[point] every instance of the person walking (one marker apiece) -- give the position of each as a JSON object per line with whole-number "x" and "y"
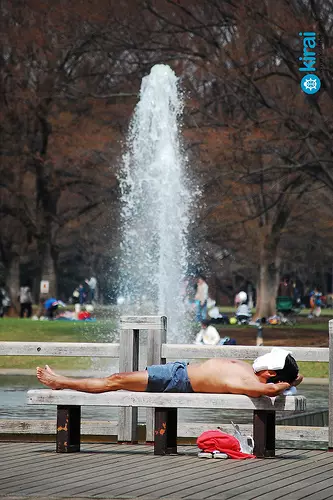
{"x": 25, "y": 301}
{"x": 201, "y": 298}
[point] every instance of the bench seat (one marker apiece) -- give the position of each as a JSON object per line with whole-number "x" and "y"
{"x": 69, "y": 404}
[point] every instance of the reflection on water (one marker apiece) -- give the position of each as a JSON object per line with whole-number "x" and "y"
{"x": 13, "y": 394}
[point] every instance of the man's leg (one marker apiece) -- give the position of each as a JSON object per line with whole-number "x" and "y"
{"x": 131, "y": 381}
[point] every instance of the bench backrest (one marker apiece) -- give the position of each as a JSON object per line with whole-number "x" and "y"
{"x": 184, "y": 351}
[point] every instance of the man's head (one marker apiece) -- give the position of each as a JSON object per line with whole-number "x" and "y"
{"x": 288, "y": 373}
{"x": 276, "y": 366}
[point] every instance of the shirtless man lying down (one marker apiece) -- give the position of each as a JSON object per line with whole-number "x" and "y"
{"x": 269, "y": 375}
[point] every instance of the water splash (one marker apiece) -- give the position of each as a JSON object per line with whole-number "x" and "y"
{"x": 156, "y": 201}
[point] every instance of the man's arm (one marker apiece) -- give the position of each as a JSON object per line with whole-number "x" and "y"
{"x": 255, "y": 389}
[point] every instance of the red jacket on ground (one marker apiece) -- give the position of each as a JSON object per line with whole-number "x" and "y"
{"x": 211, "y": 441}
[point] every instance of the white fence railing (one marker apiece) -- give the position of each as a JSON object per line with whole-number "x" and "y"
{"x": 184, "y": 351}
{"x": 73, "y": 349}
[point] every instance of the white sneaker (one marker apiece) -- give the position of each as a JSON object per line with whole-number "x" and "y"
{"x": 215, "y": 454}
{"x": 205, "y": 454}
{"x": 219, "y": 454}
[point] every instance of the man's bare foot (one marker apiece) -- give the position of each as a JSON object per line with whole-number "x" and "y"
{"x": 47, "y": 377}
{"x": 48, "y": 369}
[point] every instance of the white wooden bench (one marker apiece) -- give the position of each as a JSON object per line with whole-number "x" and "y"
{"x": 165, "y": 407}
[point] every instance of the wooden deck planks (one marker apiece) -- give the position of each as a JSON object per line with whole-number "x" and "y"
{"x": 76, "y": 465}
{"x": 246, "y": 481}
{"x": 36, "y": 457}
{"x": 201, "y": 472}
{"x": 33, "y": 459}
{"x": 80, "y": 481}
{"x": 107, "y": 482}
{"x": 232, "y": 470}
{"x": 325, "y": 494}
{"x": 323, "y": 480}
{"x": 153, "y": 482}
{"x": 269, "y": 485}
{"x": 89, "y": 462}
{"x": 142, "y": 467}
{"x": 97, "y": 463}
{"x": 132, "y": 472}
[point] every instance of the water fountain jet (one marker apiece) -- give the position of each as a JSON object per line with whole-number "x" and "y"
{"x": 155, "y": 204}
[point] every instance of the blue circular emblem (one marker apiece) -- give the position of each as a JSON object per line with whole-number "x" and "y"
{"x": 310, "y": 84}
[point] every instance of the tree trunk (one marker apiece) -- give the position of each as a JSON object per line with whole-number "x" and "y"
{"x": 269, "y": 278}
{"x": 48, "y": 268}
{"x": 13, "y": 280}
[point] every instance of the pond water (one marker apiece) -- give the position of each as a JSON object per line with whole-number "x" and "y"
{"x": 13, "y": 405}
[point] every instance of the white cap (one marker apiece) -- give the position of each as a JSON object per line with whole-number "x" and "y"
{"x": 242, "y": 296}
{"x": 274, "y": 360}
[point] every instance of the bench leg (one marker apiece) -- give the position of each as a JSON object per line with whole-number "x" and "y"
{"x": 264, "y": 433}
{"x": 68, "y": 429}
{"x": 165, "y": 431}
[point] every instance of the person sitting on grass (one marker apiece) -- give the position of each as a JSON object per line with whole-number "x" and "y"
{"x": 270, "y": 375}
{"x": 208, "y": 334}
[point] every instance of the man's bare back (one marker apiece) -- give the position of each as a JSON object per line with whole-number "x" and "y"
{"x": 219, "y": 375}
{"x": 231, "y": 376}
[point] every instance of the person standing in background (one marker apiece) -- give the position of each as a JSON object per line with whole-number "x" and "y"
{"x": 82, "y": 294}
{"x": 92, "y": 283}
{"x": 286, "y": 288}
{"x": 2, "y": 311}
{"x": 4, "y": 301}
{"x": 201, "y": 298}
{"x": 25, "y": 301}
{"x": 315, "y": 303}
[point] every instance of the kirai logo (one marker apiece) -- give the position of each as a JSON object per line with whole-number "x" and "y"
{"x": 310, "y": 82}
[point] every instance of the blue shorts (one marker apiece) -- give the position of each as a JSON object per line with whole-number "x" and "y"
{"x": 171, "y": 377}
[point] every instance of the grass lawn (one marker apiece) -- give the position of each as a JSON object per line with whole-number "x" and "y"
{"x": 313, "y": 369}
{"x": 20, "y": 330}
